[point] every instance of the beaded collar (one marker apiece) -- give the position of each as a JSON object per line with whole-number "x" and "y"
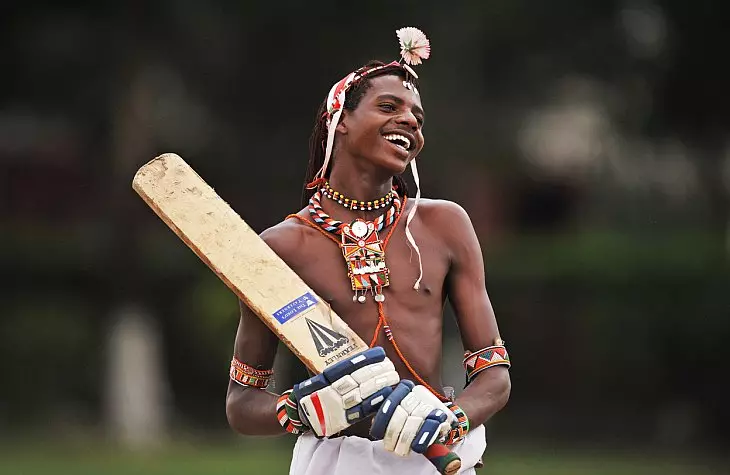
{"x": 333, "y": 226}
{"x": 362, "y": 249}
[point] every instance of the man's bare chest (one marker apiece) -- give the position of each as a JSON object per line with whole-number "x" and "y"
{"x": 321, "y": 264}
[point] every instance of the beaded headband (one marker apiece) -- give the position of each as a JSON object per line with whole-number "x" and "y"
{"x": 414, "y": 47}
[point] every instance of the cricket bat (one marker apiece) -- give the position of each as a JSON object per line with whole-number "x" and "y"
{"x": 301, "y": 319}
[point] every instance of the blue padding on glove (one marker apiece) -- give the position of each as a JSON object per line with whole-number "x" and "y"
{"x": 421, "y": 443}
{"x": 437, "y": 415}
{"x": 354, "y": 414}
{"x": 371, "y": 404}
{"x": 308, "y": 386}
{"x": 382, "y": 418}
{"x": 348, "y": 366}
{"x": 368, "y": 406}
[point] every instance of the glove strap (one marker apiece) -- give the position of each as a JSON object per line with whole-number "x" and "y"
{"x": 287, "y": 413}
{"x": 458, "y": 433}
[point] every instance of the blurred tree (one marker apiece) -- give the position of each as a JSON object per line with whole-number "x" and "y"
{"x": 692, "y": 102}
{"x": 582, "y": 253}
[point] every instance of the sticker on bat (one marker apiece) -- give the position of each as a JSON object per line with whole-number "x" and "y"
{"x": 325, "y": 339}
{"x": 295, "y": 307}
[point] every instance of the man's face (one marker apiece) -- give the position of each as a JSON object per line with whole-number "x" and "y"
{"x": 386, "y": 127}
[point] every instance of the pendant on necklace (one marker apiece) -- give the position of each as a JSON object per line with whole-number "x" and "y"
{"x": 365, "y": 259}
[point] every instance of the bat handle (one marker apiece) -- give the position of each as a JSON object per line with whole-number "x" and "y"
{"x": 445, "y": 461}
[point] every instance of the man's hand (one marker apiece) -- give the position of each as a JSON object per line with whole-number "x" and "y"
{"x": 411, "y": 419}
{"x": 344, "y": 393}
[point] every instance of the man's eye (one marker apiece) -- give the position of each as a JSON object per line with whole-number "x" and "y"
{"x": 419, "y": 120}
{"x": 387, "y": 107}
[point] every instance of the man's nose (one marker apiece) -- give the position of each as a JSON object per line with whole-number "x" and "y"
{"x": 408, "y": 118}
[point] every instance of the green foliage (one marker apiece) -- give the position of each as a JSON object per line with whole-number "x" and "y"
{"x": 223, "y": 84}
{"x": 211, "y": 316}
{"x": 48, "y": 342}
{"x": 606, "y": 256}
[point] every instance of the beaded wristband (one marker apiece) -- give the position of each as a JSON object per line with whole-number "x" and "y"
{"x": 249, "y": 376}
{"x": 288, "y": 414}
{"x": 458, "y": 433}
{"x": 480, "y": 360}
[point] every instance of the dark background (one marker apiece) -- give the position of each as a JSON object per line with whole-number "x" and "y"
{"x": 589, "y": 141}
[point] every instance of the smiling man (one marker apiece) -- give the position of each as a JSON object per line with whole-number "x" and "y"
{"x": 386, "y": 264}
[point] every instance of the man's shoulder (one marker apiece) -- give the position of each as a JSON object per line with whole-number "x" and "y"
{"x": 446, "y": 220}
{"x": 438, "y": 212}
{"x": 286, "y": 235}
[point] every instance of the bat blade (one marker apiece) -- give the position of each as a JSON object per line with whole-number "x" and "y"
{"x": 245, "y": 263}
{"x": 251, "y": 269}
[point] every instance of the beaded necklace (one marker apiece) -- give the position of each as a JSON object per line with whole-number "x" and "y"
{"x": 349, "y": 203}
{"x": 382, "y": 320}
{"x": 361, "y": 247}
{"x": 333, "y": 226}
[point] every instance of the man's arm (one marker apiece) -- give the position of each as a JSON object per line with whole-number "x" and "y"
{"x": 489, "y": 390}
{"x": 252, "y": 411}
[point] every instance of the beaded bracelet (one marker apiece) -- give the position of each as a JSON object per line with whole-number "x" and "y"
{"x": 476, "y": 362}
{"x": 458, "y": 433}
{"x": 288, "y": 414}
{"x": 249, "y": 376}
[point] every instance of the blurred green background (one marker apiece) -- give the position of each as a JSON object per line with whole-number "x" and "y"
{"x": 589, "y": 141}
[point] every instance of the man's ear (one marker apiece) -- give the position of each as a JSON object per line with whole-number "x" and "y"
{"x": 342, "y": 124}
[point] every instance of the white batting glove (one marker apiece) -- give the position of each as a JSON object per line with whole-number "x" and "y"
{"x": 346, "y": 392}
{"x": 411, "y": 419}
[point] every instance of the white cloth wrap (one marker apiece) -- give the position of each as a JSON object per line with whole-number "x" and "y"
{"x": 358, "y": 456}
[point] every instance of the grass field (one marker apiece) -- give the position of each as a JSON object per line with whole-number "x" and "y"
{"x": 271, "y": 458}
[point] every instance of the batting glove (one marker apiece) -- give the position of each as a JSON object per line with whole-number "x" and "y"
{"x": 411, "y": 419}
{"x": 343, "y": 394}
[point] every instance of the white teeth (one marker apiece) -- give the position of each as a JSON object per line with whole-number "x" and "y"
{"x": 392, "y": 137}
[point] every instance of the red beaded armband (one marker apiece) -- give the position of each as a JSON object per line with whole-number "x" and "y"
{"x": 478, "y": 361}
{"x": 246, "y": 375}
